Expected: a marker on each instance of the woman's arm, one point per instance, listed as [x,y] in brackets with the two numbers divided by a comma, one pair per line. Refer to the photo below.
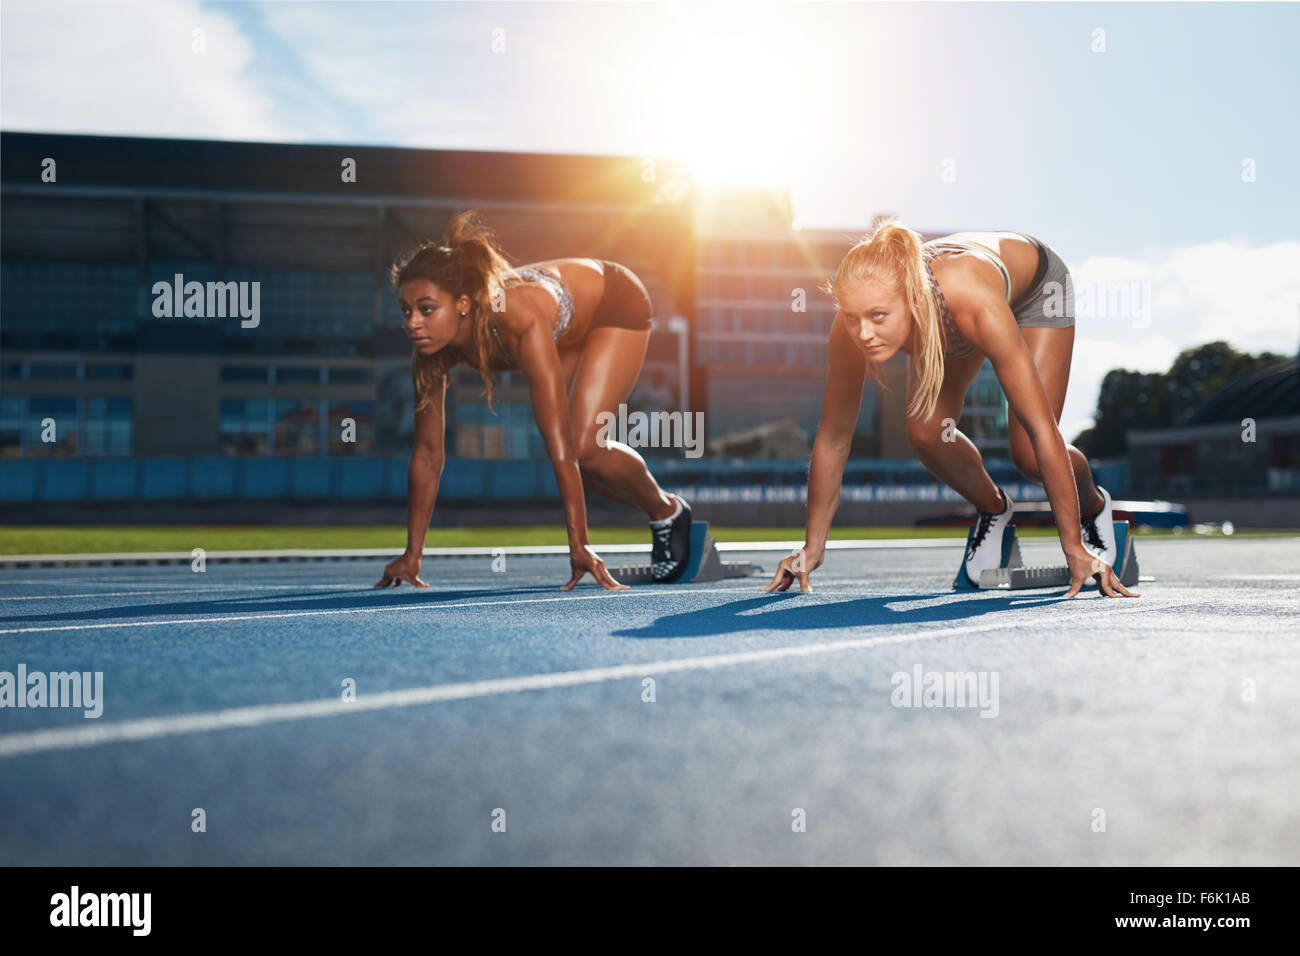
[540,363]
[846,372]
[423,474]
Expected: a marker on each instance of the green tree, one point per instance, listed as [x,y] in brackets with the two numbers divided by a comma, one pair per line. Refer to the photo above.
[1146,400]
[1200,372]
[1126,401]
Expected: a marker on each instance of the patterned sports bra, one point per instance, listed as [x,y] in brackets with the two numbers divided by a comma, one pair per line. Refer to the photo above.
[564,305]
[955,345]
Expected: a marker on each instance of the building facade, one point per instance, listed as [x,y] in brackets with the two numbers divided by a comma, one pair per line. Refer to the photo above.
[1244,441]
[94,227]
[104,352]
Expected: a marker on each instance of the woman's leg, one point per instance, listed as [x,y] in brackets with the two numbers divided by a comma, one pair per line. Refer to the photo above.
[956,462]
[1052,350]
[570,359]
[611,364]
[569,362]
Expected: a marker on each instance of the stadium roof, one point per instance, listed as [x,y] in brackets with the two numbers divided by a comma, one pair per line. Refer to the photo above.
[125,161]
[1272,392]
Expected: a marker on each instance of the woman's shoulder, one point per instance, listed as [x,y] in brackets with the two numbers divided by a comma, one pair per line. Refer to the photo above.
[961,272]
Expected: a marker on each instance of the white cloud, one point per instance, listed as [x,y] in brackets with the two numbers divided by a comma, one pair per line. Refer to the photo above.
[1094,357]
[1250,297]
[1224,290]
[128,69]
[1247,296]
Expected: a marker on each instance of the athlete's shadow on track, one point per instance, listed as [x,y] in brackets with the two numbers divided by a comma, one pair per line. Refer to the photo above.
[788,613]
[281,602]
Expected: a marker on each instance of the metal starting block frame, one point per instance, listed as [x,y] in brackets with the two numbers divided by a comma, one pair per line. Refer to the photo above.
[703,563]
[1012,574]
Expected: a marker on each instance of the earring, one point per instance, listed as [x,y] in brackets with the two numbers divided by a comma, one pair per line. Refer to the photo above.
[463,314]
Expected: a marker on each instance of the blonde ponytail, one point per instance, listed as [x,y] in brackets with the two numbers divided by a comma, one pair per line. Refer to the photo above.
[892,254]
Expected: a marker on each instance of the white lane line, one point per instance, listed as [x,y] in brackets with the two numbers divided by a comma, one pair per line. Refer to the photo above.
[104,559]
[211,619]
[148,728]
[1248,576]
[162,592]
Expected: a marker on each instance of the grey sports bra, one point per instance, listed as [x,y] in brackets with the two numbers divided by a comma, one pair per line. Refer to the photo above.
[957,346]
[564,305]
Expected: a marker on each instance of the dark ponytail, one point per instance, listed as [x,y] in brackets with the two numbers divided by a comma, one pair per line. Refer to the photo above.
[469,262]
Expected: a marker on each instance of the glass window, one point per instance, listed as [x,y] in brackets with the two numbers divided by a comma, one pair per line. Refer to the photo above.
[11,427]
[116,373]
[110,426]
[362,431]
[46,371]
[245,426]
[306,374]
[304,303]
[297,428]
[53,426]
[245,373]
[347,375]
[44,299]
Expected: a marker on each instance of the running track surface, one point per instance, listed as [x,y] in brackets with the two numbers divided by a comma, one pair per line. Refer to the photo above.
[1177,716]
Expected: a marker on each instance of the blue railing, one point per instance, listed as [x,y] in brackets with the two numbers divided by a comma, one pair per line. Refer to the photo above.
[107,479]
[463,479]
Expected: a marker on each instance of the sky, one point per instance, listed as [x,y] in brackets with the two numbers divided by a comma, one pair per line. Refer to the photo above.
[1154,146]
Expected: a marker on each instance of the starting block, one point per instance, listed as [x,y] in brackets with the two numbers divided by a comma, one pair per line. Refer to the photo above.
[1012,574]
[702,564]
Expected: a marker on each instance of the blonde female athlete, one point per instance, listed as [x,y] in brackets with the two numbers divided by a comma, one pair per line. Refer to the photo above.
[950,304]
[578,330]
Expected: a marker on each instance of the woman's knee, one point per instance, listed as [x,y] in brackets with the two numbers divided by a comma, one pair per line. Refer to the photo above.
[931,434]
[588,448]
[1026,462]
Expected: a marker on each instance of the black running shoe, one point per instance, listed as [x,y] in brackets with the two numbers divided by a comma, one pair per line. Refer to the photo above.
[672,546]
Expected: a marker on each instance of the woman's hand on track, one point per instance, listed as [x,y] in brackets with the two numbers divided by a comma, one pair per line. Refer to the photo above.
[406,568]
[583,560]
[795,566]
[1083,565]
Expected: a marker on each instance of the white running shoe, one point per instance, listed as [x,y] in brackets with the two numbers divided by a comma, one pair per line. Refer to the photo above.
[985,549]
[1098,531]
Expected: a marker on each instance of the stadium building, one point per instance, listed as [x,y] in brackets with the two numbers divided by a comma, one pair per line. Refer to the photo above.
[1237,458]
[91,224]
[117,385]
